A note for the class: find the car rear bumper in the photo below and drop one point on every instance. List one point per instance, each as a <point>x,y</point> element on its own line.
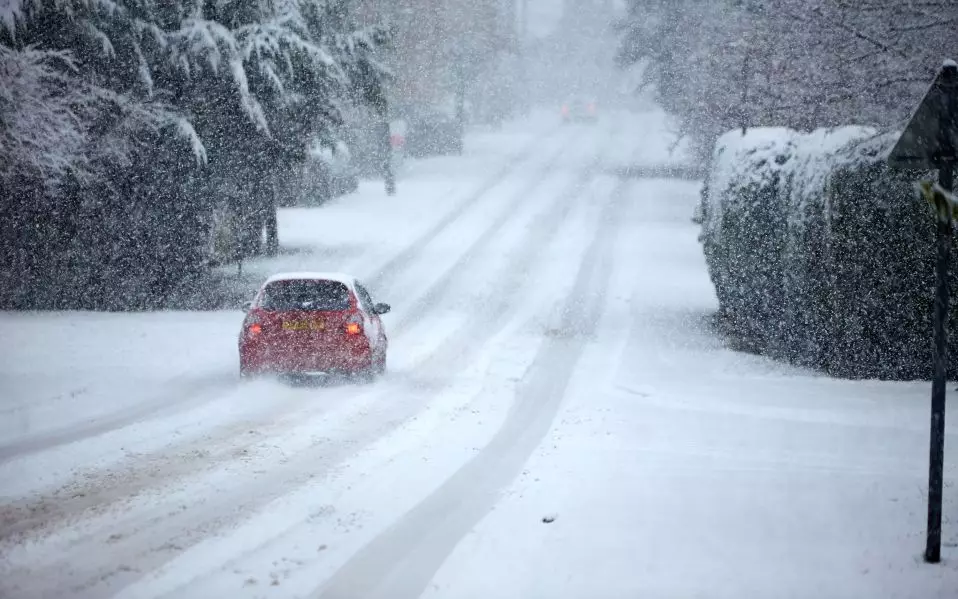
<point>351,360</point>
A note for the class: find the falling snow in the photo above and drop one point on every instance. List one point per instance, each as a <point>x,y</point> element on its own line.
<point>658,311</point>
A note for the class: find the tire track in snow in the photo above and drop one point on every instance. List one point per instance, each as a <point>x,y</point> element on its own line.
<point>492,314</point>
<point>386,273</point>
<point>546,226</point>
<point>186,389</point>
<point>400,562</point>
<point>321,458</point>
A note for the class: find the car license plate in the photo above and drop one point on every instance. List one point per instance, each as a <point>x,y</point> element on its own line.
<point>304,325</point>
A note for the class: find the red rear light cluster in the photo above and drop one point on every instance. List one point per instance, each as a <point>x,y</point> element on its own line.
<point>354,325</point>
<point>253,325</point>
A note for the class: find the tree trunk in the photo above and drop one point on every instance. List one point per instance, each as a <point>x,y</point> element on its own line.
<point>272,226</point>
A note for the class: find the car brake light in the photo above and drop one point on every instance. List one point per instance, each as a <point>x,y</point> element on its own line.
<point>253,323</point>
<point>354,326</point>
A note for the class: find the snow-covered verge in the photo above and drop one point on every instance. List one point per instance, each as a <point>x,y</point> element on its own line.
<point>819,253</point>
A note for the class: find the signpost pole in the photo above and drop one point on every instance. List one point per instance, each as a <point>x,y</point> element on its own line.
<point>937,447</point>
<point>930,141</point>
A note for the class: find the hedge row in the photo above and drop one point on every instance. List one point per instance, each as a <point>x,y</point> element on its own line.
<point>820,255</point>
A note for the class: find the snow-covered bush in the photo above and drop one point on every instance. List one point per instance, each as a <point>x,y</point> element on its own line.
<point>882,267</point>
<point>743,230</point>
<point>821,255</point>
<point>805,326</point>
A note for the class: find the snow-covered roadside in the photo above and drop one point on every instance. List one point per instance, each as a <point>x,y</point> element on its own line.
<point>680,468</point>
<point>53,362</point>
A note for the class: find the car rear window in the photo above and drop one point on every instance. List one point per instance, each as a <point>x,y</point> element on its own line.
<point>305,295</point>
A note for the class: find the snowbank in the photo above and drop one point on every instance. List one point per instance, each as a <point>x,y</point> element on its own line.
<point>820,254</point>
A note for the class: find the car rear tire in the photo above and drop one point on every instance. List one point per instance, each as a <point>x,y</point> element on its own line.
<point>376,369</point>
<point>366,377</point>
<point>248,374</point>
<point>381,366</point>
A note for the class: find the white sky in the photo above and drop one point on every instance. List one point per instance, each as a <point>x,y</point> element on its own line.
<point>544,15</point>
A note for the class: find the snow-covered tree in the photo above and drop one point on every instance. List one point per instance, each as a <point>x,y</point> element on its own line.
<point>126,121</point>
<point>799,63</point>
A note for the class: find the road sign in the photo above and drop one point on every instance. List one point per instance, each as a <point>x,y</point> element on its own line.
<point>931,137</point>
<point>930,141</point>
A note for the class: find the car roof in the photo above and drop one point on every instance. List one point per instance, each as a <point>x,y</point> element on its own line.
<point>345,279</point>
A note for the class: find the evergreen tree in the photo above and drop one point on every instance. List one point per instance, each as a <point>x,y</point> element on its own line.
<point>126,123</point>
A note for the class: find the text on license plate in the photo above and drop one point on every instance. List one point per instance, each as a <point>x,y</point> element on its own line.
<point>304,325</point>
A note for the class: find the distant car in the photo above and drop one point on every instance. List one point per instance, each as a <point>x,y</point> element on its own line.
<point>579,109</point>
<point>313,323</point>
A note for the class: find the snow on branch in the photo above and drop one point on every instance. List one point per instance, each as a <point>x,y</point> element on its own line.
<point>41,106</point>
<point>798,63</point>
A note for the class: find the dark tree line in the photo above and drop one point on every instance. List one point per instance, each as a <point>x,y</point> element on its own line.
<point>141,140</point>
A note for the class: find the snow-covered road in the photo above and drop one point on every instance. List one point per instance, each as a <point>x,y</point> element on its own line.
<point>558,420</point>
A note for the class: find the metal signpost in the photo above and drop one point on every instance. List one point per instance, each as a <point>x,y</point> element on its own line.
<point>930,141</point>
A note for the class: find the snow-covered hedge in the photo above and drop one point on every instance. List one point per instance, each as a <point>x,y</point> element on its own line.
<point>820,255</point>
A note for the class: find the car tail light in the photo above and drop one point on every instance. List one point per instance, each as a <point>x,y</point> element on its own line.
<point>253,324</point>
<point>592,107</point>
<point>565,109</point>
<point>354,326</point>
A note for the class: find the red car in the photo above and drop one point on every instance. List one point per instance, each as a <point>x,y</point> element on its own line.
<point>313,323</point>
<point>579,109</point>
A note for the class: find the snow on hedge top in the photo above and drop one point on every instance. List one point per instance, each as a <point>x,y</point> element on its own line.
<point>815,155</point>
<point>345,279</point>
<point>754,159</point>
<point>740,159</point>
<point>869,151</point>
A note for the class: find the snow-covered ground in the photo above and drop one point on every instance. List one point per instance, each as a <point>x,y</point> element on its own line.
<point>558,420</point>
